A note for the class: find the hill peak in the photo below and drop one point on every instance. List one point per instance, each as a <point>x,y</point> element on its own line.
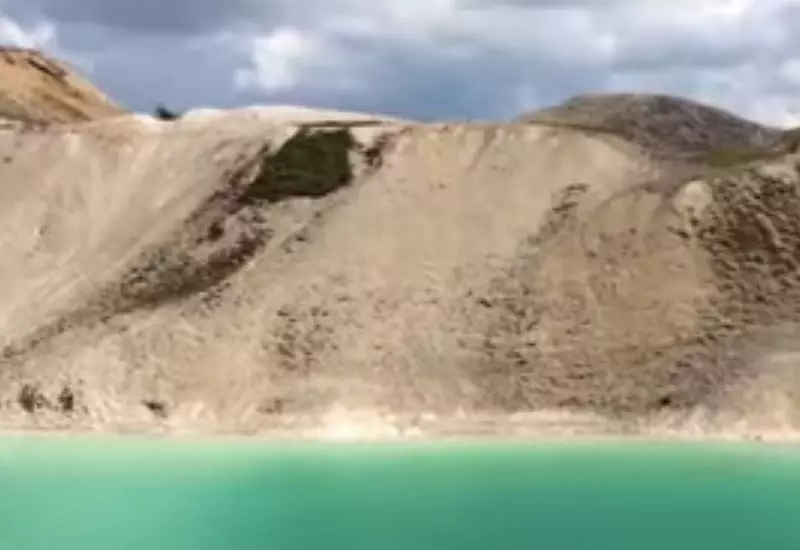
<point>659,122</point>
<point>35,88</point>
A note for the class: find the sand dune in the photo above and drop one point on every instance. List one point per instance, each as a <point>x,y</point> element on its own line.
<point>250,269</point>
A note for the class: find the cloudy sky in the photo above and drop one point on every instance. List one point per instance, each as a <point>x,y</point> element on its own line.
<point>423,59</point>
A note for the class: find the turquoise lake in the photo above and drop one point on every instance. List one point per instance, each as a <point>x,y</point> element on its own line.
<point>126,494</point>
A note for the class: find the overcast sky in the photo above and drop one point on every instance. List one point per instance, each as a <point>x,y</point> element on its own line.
<point>423,59</point>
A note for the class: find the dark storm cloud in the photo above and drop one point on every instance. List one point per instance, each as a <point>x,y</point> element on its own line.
<point>178,16</point>
<point>163,16</point>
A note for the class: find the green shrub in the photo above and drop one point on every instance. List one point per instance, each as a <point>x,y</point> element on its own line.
<point>163,113</point>
<point>733,156</point>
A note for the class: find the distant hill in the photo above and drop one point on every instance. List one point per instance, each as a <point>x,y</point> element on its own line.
<point>35,88</point>
<point>661,123</point>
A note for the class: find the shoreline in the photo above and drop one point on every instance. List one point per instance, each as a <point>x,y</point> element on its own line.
<point>527,435</point>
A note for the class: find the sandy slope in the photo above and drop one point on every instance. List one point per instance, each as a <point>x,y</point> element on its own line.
<point>39,90</point>
<point>245,269</point>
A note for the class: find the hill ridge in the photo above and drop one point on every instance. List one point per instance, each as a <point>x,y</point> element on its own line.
<point>255,269</point>
<point>38,89</point>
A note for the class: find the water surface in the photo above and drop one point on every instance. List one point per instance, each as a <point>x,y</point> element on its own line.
<point>133,494</point>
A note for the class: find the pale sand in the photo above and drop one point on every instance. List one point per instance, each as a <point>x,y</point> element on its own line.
<point>488,268</point>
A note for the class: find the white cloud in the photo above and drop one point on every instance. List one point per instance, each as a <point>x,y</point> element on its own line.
<point>278,59</point>
<point>39,35</point>
<point>789,70</point>
<point>288,57</point>
<point>427,58</point>
<point>735,53</point>
<point>42,35</point>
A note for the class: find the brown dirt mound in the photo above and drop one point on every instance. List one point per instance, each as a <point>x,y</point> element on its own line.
<point>39,90</point>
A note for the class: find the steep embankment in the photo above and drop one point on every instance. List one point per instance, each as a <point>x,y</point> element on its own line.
<point>254,269</point>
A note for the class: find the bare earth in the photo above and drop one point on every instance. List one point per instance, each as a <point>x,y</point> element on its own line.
<point>284,270</point>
